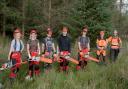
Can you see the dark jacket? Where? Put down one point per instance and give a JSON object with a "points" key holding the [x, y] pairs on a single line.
{"points": [[64, 43]]}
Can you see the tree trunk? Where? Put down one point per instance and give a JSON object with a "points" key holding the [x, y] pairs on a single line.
{"points": [[4, 26], [49, 16], [23, 16], [64, 10], [4, 21], [120, 15]]}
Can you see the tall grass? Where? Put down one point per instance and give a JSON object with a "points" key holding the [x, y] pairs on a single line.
{"points": [[111, 76], [4, 47]]}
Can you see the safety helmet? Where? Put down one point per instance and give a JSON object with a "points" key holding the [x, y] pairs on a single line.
{"points": [[49, 30], [115, 31], [85, 28], [33, 31], [17, 30]]}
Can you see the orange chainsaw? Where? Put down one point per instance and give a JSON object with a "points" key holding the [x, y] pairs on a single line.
{"points": [[85, 55], [9, 65], [65, 55]]}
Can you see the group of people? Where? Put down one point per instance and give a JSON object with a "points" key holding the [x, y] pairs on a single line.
{"points": [[114, 42], [48, 49]]}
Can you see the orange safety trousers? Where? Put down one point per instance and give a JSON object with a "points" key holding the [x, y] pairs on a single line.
{"points": [[101, 51]]}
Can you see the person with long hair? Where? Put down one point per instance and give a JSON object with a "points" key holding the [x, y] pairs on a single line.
{"points": [[33, 50], [16, 49]]}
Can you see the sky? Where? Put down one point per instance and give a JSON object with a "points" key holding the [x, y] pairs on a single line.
{"points": [[125, 1], [125, 7]]}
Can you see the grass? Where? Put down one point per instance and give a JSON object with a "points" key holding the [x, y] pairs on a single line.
{"points": [[112, 76]]}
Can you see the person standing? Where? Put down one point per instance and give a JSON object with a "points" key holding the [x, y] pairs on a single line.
{"points": [[14, 56], [64, 46], [101, 47], [48, 48], [115, 45], [84, 48], [33, 50]]}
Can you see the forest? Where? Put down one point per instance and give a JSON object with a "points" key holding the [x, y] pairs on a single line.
{"points": [[97, 15]]}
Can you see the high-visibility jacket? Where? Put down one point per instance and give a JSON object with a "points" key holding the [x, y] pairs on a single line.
{"points": [[101, 43], [114, 42]]}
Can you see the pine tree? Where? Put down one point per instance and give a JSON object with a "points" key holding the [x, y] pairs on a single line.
{"points": [[96, 14]]}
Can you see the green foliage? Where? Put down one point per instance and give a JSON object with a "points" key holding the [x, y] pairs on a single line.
{"points": [[112, 76], [74, 14], [96, 14]]}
